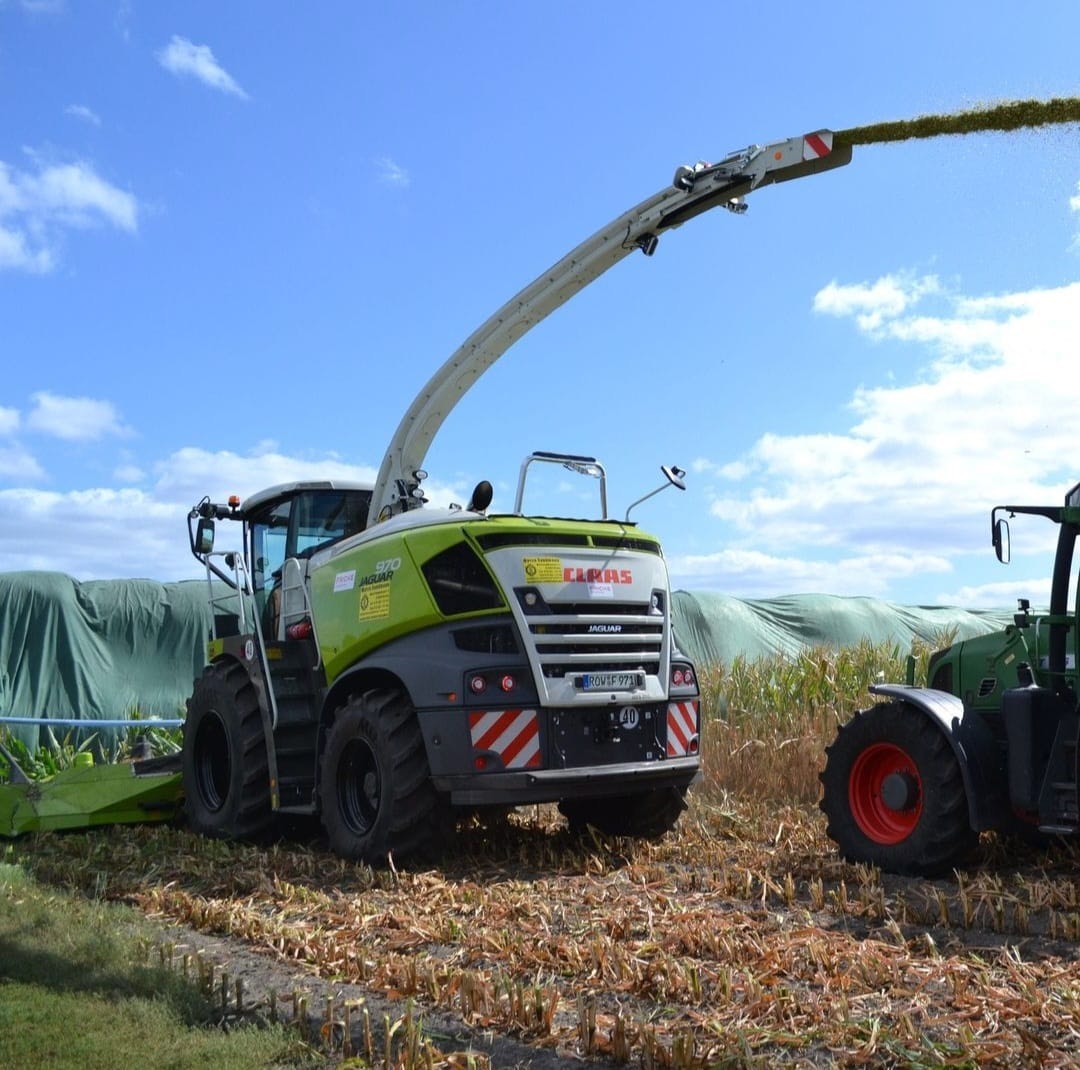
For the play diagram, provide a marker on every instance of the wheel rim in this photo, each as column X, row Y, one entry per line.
column 213, row 767
column 880, row 822
column 359, row 787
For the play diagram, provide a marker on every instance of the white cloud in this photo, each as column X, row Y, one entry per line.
column 914, row 474
column 391, row 173
column 996, row 595
column 16, row 463
column 128, row 473
column 74, row 419
column 9, row 421
column 181, row 57
column 873, row 303
column 81, row 111
column 767, row 575
column 149, row 522
column 36, row 208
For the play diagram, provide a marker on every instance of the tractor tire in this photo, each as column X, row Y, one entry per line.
column 894, row 794
column 375, row 790
column 646, row 815
column 226, row 778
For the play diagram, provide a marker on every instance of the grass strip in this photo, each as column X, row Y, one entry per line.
column 75, row 991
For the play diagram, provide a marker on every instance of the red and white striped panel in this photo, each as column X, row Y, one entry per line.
column 817, row 145
column 682, row 728
column 514, row 735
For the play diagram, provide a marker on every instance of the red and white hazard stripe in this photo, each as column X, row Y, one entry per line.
column 814, row 146
column 514, row 735
column 682, row 728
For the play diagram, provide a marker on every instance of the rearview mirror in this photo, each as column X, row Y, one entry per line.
column 1001, row 540
column 204, row 536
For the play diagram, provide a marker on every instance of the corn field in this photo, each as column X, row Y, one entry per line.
column 740, row 939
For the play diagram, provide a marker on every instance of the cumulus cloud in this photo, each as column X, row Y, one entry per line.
column 9, row 421
column 37, row 207
column 74, row 419
column 149, row 520
column 767, row 575
column 873, row 303
column 906, row 487
column 81, row 111
column 185, row 59
column 17, row 464
column 391, row 173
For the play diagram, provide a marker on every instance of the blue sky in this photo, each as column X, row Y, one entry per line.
column 235, row 240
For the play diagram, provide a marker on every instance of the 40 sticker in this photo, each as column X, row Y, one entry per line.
column 375, row 600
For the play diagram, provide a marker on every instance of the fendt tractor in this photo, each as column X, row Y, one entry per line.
column 990, row 743
column 386, row 665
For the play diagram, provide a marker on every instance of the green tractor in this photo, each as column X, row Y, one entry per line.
column 990, row 743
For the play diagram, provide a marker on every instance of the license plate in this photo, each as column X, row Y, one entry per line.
column 609, row 681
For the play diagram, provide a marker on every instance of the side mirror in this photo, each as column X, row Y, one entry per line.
column 1001, row 540
column 204, row 536
column 674, row 475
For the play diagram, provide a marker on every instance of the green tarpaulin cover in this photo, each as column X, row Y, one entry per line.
column 714, row 627
column 98, row 649
column 105, row 648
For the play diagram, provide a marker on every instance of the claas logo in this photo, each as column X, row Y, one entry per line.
column 596, row 575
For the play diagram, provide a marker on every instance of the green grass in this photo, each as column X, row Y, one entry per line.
column 75, row 991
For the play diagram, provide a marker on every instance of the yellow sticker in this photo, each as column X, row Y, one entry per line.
column 543, row 570
column 375, row 600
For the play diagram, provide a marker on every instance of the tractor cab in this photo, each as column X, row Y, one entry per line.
column 282, row 527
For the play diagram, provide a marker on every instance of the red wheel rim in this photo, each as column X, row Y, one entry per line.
column 878, row 821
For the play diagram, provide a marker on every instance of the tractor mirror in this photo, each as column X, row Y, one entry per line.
column 1001, row 540
column 204, row 536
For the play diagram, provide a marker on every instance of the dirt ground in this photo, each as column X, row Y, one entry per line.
column 741, row 939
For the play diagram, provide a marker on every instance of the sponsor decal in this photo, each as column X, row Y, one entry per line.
column 375, row 600
column 345, row 581
column 682, row 728
column 601, row 590
column 543, row 570
column 514, row 735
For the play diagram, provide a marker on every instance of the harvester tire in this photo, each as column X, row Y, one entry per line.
column 225, row 774
column 645, row 815
column 376, row 795
column 894, row 793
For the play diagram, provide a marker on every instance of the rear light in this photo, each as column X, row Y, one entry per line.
column 477, row 684
column 507, row 683
column 682, row 677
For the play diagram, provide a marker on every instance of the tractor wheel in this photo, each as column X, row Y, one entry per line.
column 894, row 794
column 225, row 774
column 376, row 793
column 646, row 815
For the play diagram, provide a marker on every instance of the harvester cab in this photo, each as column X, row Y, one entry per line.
column 990, row 743
column 384, row 664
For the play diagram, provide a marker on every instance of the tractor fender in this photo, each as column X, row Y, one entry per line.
column 973, row 743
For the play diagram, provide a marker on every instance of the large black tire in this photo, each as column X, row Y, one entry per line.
column 376, row 794
column 645, row 815
column 225, row 773
column 894, row 793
